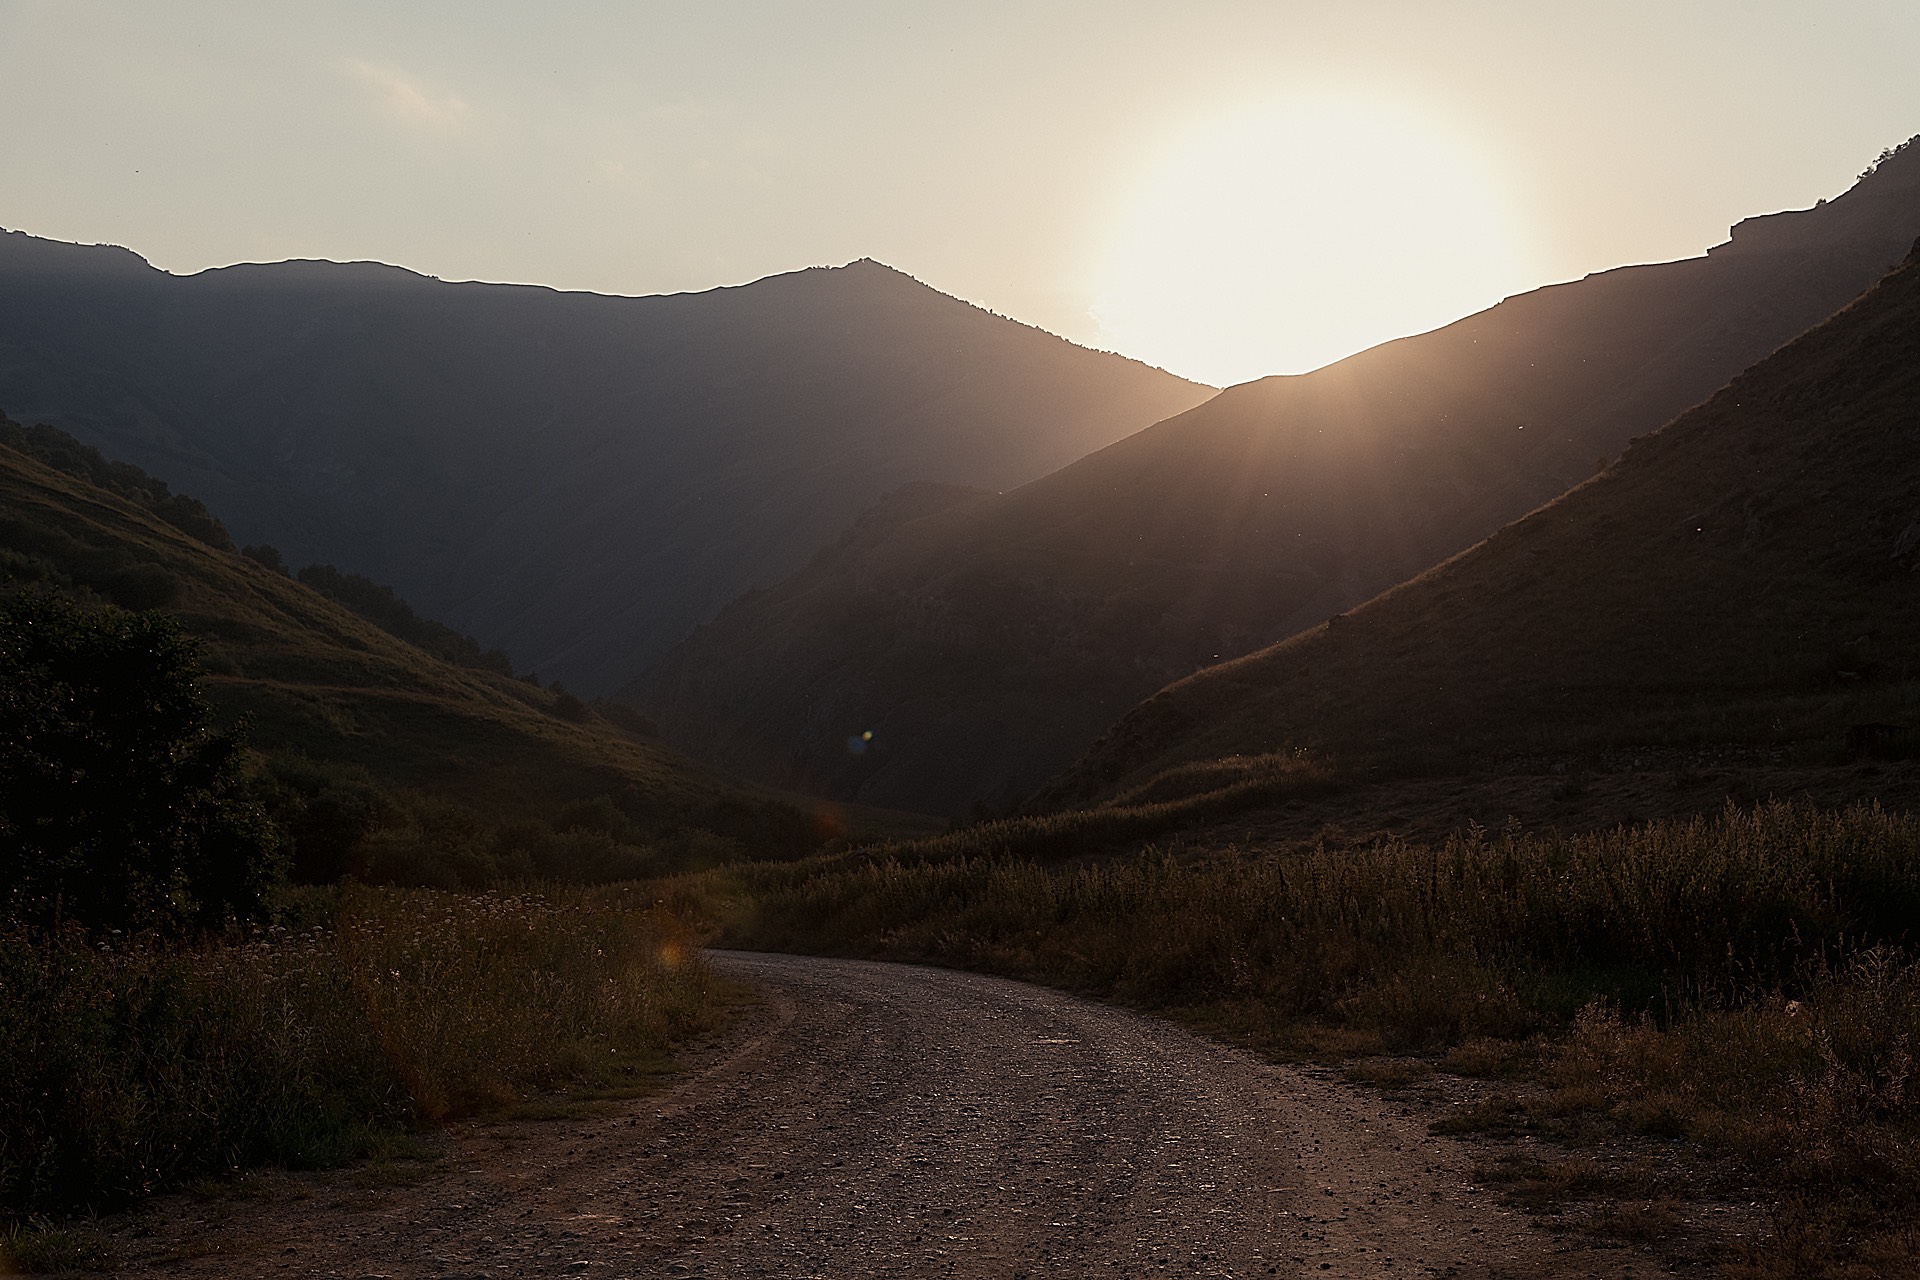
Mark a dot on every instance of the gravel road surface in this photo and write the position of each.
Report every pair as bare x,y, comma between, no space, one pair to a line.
885,1120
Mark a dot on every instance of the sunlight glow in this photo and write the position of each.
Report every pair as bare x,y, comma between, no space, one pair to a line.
1281,237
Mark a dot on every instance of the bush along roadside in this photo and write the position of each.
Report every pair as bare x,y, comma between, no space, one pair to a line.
133,1064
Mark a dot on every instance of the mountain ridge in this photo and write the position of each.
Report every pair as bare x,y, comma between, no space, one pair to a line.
577,478
1023,624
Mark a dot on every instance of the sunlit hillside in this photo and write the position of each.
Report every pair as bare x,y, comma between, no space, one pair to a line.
1744,576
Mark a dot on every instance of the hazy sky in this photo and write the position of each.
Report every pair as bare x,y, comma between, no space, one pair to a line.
1227,188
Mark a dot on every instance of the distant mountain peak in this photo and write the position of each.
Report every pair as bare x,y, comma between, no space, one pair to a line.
873,272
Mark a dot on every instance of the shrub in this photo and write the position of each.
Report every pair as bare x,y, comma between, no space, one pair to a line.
325,811
125,1069
267,557
380,606
120,806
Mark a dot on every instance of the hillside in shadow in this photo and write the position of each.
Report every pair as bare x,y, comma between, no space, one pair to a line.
575,479
380,758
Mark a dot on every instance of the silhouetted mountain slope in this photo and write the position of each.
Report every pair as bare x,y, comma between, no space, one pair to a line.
1749,572
574,478
63,453
987,644
331,692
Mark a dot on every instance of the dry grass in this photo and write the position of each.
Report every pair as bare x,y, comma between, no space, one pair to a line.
535,989
41,1247
1180,799
128,1068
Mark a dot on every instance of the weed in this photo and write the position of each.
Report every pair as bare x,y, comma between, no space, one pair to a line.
130,1067
40,1247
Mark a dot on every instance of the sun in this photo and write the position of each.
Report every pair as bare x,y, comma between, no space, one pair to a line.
1280,237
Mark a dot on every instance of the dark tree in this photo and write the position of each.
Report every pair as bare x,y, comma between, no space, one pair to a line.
379,605
569,707
120,806
324,811
266,556
63,453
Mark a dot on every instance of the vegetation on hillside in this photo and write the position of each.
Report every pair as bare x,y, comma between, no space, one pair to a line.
1185,799
1741,576
377,604
378,758
65,454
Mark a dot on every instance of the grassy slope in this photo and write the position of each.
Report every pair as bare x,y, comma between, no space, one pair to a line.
989,642
1745,574
320,681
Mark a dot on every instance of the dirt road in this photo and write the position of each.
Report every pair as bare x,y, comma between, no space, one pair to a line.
883,1120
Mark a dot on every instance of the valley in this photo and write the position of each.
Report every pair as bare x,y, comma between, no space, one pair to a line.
816,777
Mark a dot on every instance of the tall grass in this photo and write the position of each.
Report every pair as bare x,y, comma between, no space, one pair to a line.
130,1067
476,999
1487,933
1204,791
